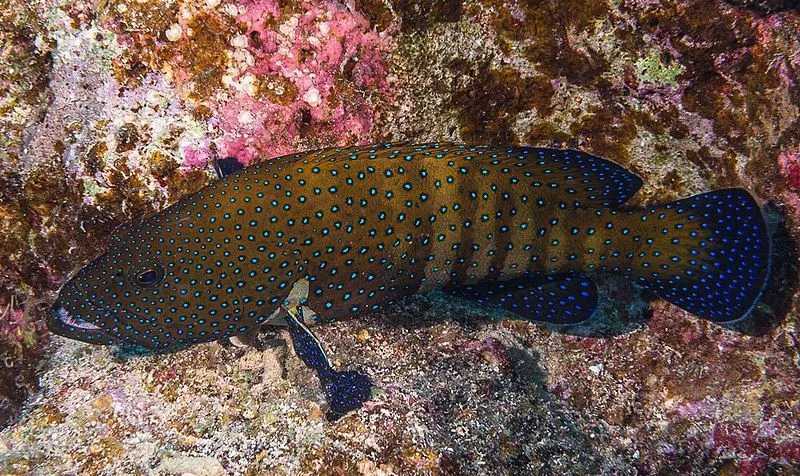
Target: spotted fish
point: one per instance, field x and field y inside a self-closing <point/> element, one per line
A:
<point x="524" y="229"/>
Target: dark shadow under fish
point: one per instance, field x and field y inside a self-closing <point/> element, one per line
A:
<point x="352" y="229"/>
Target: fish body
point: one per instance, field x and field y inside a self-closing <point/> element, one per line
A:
<point x="527" y="229"/>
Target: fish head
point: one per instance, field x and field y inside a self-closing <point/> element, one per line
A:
<point x="120" y="296"/>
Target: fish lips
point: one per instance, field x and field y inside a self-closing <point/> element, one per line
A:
<point x="67" y="324"/>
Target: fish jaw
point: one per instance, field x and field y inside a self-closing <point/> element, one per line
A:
<point x="67" y="324"/>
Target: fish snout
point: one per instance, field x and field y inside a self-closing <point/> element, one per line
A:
<point x="65" y="323"/>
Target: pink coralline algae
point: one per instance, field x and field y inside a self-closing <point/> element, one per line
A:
<point x="311" y="73"/>
<point x="755" y="447"/>
<point x="492" y="351"/>
<point x="789" y="164"/>
<point x="14" y="326"/>
<point x="196" y="157"/>
<point x="790" y="168"/>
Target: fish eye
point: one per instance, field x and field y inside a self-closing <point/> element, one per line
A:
<point x="150" y="277"/>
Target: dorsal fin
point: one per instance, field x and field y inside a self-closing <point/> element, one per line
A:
<point x="588" y="179"/>
<point x="226" y="166"/>
<point x="565" y="177"/>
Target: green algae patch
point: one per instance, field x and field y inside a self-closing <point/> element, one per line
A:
<point x="651" y="69"/>
<point x="91" y="187"/>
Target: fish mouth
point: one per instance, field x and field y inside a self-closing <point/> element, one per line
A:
<point x="73" y="321"/>
<point x="64" y="323"/>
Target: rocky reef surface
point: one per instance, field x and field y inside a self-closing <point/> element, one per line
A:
<point x="112" y="109"/>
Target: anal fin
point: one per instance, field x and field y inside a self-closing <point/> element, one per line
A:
<point x="555" y="299"/>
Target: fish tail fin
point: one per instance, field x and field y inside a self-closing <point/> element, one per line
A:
<point x="708" y="254"/>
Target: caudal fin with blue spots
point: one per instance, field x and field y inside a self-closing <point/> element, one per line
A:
<point x="708" y="254"/>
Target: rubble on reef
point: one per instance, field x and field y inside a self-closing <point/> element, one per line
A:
<point x="111" y="110"/>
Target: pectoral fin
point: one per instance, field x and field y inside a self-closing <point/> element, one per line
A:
<point x="344" y="391"/>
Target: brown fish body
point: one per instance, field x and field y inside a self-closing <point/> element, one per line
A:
<point x="368" y="225"/>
